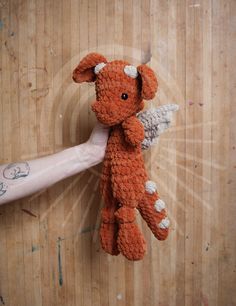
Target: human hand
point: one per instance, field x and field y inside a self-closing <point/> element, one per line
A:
<point x="97" y="142"/>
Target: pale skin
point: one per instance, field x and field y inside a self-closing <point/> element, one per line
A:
<point x="24" y="178"/>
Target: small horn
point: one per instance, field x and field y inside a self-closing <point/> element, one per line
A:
<point x="99" y="67"/>
<point x="131" y="71"/>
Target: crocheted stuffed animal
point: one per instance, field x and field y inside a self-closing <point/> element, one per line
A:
<point x="120" y="90"/>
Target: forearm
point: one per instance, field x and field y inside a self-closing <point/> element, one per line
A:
<point x="24" y="178"/>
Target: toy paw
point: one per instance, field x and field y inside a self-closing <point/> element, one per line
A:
<point x="133" y="130"/>
<point x="108" y="236"/>
<point x="131" y="242"/>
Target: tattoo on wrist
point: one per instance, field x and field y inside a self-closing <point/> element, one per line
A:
<point x="3" y="188"/>
<point x="16" y="170"/>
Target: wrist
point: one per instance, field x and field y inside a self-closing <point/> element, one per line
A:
<point x="96" y="152"/>
<point x="88" y="154"/>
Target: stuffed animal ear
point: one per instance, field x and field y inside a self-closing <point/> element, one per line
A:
<point x="84" y="72"/>
<point x="149" y="82"/>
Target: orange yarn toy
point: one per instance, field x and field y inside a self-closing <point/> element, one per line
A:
<point x="120" y="90"/>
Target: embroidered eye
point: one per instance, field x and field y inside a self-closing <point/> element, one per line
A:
<point x="124" y="96"/>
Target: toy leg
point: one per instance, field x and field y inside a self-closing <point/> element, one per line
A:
<point x="109" y="227"/>
<point x="109" y="230"/>
<point x="153" y="212"/>
<point x="128" y="190"/>
<point x="131" y="242"/>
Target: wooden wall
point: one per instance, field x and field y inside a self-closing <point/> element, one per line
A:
<point x="49" y="246"/>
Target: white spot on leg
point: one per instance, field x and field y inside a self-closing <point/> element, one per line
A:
<point x="150" y="187"/>
<point x="159" y="205"/>
<point x="165" y="223"/>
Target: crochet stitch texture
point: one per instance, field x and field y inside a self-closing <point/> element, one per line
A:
<point x="120" y="90"/>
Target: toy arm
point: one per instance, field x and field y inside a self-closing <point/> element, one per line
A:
<point x="21" y="179"/>
<point x="133" y="130"/>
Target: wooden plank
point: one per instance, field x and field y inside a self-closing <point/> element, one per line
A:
<point x="189" y="204"/>
<point x="42" y="143"/>
<point x="5" y="147"/>
<point x="208" y="263"/>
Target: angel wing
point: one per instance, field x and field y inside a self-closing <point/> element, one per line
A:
<point x="155" y="122"/>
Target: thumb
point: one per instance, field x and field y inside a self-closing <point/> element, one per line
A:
<point x="99" y="135"/>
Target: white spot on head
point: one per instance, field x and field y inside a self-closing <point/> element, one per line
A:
<point x="131" y="71"/>
<point x="159" y="205"/>
<point x="150" y="187"/>
<point x="99" y="67"/>
<point x="165" y="223"/>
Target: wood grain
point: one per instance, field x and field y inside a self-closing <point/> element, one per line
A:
<point x="49" y="244"/>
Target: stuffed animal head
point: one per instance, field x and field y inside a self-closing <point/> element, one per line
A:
<point x="120" y="87"/>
